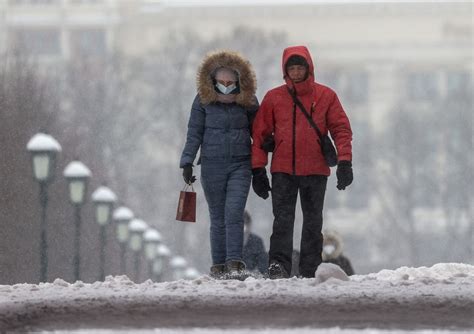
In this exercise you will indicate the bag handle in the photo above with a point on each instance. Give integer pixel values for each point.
(308, 117)
(187, 186)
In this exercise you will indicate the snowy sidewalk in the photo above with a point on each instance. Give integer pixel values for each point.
(440, 297)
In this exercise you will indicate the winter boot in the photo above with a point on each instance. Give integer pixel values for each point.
(277, 271)
(217, 271)
(235, 269)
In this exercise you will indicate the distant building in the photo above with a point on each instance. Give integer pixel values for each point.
(55, 30)
(373, 54)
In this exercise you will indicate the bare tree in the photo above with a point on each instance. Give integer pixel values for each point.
(456, 172)
(405, 154)
(27, 106)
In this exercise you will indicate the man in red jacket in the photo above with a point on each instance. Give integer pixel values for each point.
(297, 160)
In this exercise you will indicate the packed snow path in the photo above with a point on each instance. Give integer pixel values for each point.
(440, 297)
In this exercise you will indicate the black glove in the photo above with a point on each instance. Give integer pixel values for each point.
(344, 174)
(260, 183)
(188, 174)
(268, 144)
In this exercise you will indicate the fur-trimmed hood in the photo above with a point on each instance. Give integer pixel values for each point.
(333, 238)
(234, 61)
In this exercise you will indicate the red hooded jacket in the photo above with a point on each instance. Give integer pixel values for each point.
(297, 149)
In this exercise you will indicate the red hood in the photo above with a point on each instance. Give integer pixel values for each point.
(297, 51)
(306, 86)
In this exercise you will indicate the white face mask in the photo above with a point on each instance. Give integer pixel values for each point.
(329, 249)
(225, 90)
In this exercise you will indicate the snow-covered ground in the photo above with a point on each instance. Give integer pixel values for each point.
(422, 300)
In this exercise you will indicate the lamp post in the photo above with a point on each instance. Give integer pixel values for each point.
(162, 252)
(104, 200)
(151, 238)
(122, 217)
(191, 273)
(77, 175)
(178, 264)
(136, 228)
(44, 149)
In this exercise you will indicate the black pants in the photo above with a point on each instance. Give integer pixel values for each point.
(284, 195)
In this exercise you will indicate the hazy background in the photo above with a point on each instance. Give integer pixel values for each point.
(113, 82)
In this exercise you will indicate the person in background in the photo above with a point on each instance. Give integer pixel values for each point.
(254, 254)
(332, 252)
(220, 125)
(298, 164)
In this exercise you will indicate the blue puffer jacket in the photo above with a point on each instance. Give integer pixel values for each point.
(222, 130)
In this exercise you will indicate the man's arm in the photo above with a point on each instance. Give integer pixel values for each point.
(262, 127)
(340, 129)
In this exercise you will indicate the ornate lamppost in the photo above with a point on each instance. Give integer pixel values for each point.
(178, 264)
(77, 175)
(152, 239)
(136, 229)
(43, 149)
(104, 200)
(162, 254)
(122, 217)
(191, 273)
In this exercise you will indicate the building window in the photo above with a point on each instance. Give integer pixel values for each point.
(330, 78)
(356, 87)
(38, 41)
(88, 42)
(422, 86)
(458, 83)
(351, 86)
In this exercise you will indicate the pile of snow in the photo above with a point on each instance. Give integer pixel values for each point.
(441, 296)
(334, 330)
(438, 272)
(328, 271)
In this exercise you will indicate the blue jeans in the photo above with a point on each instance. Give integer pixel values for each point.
(226, 187)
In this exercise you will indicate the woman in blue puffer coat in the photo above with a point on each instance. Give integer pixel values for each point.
(220, 124)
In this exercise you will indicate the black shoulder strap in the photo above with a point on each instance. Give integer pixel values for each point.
(308, 117)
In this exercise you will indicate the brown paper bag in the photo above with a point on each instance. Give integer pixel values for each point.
(186, 211)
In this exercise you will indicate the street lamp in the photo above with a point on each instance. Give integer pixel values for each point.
(122, 217)
(136, 228)
(77, 174)
(178, 264)
(162, 252)
(191, 273)
(104, 200)
(151, 239)
(43, 149)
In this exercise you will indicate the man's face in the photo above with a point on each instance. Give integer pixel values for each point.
(297, 73)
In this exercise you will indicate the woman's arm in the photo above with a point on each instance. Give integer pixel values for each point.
(251, 113)
(195, 133)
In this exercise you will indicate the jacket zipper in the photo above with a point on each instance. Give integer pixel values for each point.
(294, 139)
(227, 130)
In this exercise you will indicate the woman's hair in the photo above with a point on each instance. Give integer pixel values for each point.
(225, 69)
